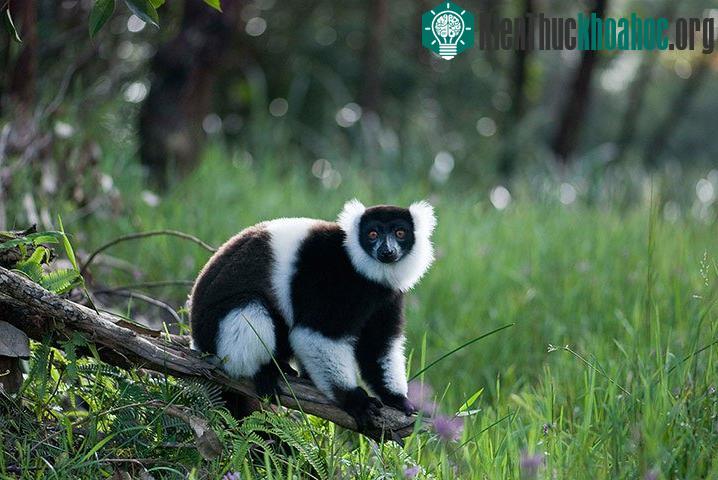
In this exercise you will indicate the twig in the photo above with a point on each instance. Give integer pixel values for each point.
(151, 233)
(155, 284)
(145, 298)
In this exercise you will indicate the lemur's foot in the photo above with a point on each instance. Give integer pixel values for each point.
(361, 406)
(401, 403)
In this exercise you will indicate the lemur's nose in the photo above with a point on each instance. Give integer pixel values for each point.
(387, 254)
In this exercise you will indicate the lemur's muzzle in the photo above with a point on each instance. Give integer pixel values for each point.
(388, 251)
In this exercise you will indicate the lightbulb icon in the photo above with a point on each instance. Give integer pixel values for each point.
(447, 24)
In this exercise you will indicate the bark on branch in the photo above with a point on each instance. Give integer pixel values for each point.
(38, 312)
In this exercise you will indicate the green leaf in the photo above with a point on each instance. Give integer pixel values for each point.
(467, 404)
(33, 271)
(44, 239)
(214, 4)
(32, 239)
(144, 10)
(101, 12)
(60, 281)
(32, 267)
(104, 442)
(68, 247)
(157, 3)
(38, 256)
(10, 25)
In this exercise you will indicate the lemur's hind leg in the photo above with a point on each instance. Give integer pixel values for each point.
(267, 379)
(246, 345)
(331, 365)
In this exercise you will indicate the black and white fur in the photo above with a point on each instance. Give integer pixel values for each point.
(328, 294)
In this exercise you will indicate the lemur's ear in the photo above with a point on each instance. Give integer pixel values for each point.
(351, 214)
(422, 213)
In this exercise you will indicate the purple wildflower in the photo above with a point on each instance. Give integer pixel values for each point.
(652, 474)
(232, 476)
(448, 428)
(530, 464)
(411, 472)
(420, 395)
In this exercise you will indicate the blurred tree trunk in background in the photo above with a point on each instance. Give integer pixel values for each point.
(183, 71)
(18, 89)
(634, 102)
(574, 110)
(680, 105)
(377, 16)
(507, 163)
(20, 74)
(489, 8)
(637, 94)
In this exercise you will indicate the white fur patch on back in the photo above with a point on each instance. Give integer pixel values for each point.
(286, 235)
(405, 273)
(330, 363)
(245, 340)
(393, 364)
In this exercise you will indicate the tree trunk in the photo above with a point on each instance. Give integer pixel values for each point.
(572, 119)
(20, 77)
(183, 72)
(637, 93)
(38, 313)
(634, 103)
(507, 161)
(676, 112)
(377, 16)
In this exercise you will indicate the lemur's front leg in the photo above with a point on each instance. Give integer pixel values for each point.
(331, 365)
(380, 354)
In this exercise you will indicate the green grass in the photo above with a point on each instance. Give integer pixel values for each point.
(600, 372)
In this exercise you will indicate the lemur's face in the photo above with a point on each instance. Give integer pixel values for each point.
(386, 233)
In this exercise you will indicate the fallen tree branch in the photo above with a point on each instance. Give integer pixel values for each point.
(38, 313)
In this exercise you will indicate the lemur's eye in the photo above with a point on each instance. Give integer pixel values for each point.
(400, 233)
(373, 234)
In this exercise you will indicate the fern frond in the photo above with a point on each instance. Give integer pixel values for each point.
(33, 271)
(60, 281)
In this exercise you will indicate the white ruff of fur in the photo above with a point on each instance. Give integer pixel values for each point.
(405, 273)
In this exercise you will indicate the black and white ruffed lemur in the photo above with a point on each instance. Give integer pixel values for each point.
(327, 294)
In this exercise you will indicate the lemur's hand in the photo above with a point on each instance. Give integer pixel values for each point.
(400, 402)
(361, 406)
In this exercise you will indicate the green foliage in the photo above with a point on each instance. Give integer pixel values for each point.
(214, 4)
(101, 11)
(34, 239)
(61, 280)
(58, 281)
